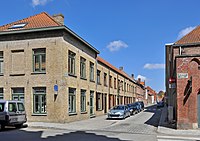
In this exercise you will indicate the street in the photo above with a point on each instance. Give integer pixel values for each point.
(142, 126)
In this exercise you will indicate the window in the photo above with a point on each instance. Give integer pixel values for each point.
(83, 68)
(72, 100)
(98, 77)
(125, 86)
(2, 105)
(110, 81)
(1, 62)
(39, 100)
(39, 60)
(98, 101)
(122, 85)
(19, 25)
(91, 71)
(115, 83)
(105, 79)
(83, 100)
(18, 94)
(71, 63)
(1, 93)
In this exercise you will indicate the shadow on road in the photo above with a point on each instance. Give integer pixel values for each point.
(12, 134)
(154, 120)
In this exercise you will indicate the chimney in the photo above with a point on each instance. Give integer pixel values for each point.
(59, 18)
(132, 76)
(121, 68)
(139, 80)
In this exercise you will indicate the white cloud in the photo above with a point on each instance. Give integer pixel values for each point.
(116, 45)
(154, 66)
(185, 31)
(143, 78)
(39, 2)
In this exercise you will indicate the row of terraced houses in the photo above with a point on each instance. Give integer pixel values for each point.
(57, 74)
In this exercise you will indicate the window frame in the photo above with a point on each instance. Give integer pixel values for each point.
(40, 54)
(40, 94)
(16, 95)
(71, 63)
(82, 68)
(1, 93)
(1, 62)
(83, 101)
(72, 101)
(91, 71)
(98, 77)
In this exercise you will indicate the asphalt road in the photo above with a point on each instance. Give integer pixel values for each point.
(142, 126)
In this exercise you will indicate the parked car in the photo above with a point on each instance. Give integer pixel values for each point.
(12, 113)
(139, 106)
(142, 104)
(119, 111)
(133, 108)
(160, 104)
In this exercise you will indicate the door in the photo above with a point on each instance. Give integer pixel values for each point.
(91, 103)
(12, 112)
(21, 113)
(198, 108)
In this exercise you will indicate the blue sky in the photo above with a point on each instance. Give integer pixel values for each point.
(128, 33)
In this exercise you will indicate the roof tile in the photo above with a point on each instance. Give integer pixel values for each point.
(192, 37)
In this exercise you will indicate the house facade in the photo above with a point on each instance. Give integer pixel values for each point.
(182, 81)
(57, 73)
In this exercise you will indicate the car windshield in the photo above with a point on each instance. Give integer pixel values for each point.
(2, 107)
(118, 108)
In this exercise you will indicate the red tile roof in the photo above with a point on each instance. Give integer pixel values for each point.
(114, 68)
(190, 38)
(37, 21)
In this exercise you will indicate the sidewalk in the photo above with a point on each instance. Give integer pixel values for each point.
(97, 123)
(164, 127)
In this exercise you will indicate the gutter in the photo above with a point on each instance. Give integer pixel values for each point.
(50, 29)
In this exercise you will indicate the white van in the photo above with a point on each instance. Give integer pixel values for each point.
(12, 113)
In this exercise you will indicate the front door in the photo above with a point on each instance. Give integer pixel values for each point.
(105, 103)
(91, 103)
(198, 108)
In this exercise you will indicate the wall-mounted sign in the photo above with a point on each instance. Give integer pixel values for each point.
(182, 75)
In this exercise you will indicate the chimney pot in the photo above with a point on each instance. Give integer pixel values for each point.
(121, 68)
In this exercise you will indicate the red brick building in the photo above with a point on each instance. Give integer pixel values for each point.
(183, 81)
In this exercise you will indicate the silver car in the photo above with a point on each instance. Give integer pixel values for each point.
(119, 111)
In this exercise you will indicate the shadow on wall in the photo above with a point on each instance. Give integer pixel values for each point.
(13, 134)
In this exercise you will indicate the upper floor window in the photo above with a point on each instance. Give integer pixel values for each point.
(71, 62)
(110, 81)
(98, 77)
(1, 62)
(83, 67)
(105, 79)
(115, 83)
(39, 60)
(91, 71)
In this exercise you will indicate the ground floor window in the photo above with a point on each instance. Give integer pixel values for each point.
(72, 100)
(83, 100)
(1, 93)
(18, 94)
(99, 101)
(39, 100)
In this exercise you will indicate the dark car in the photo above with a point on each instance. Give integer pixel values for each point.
(139, 106)
(142, 104)
(160, 104)
(133, 108)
